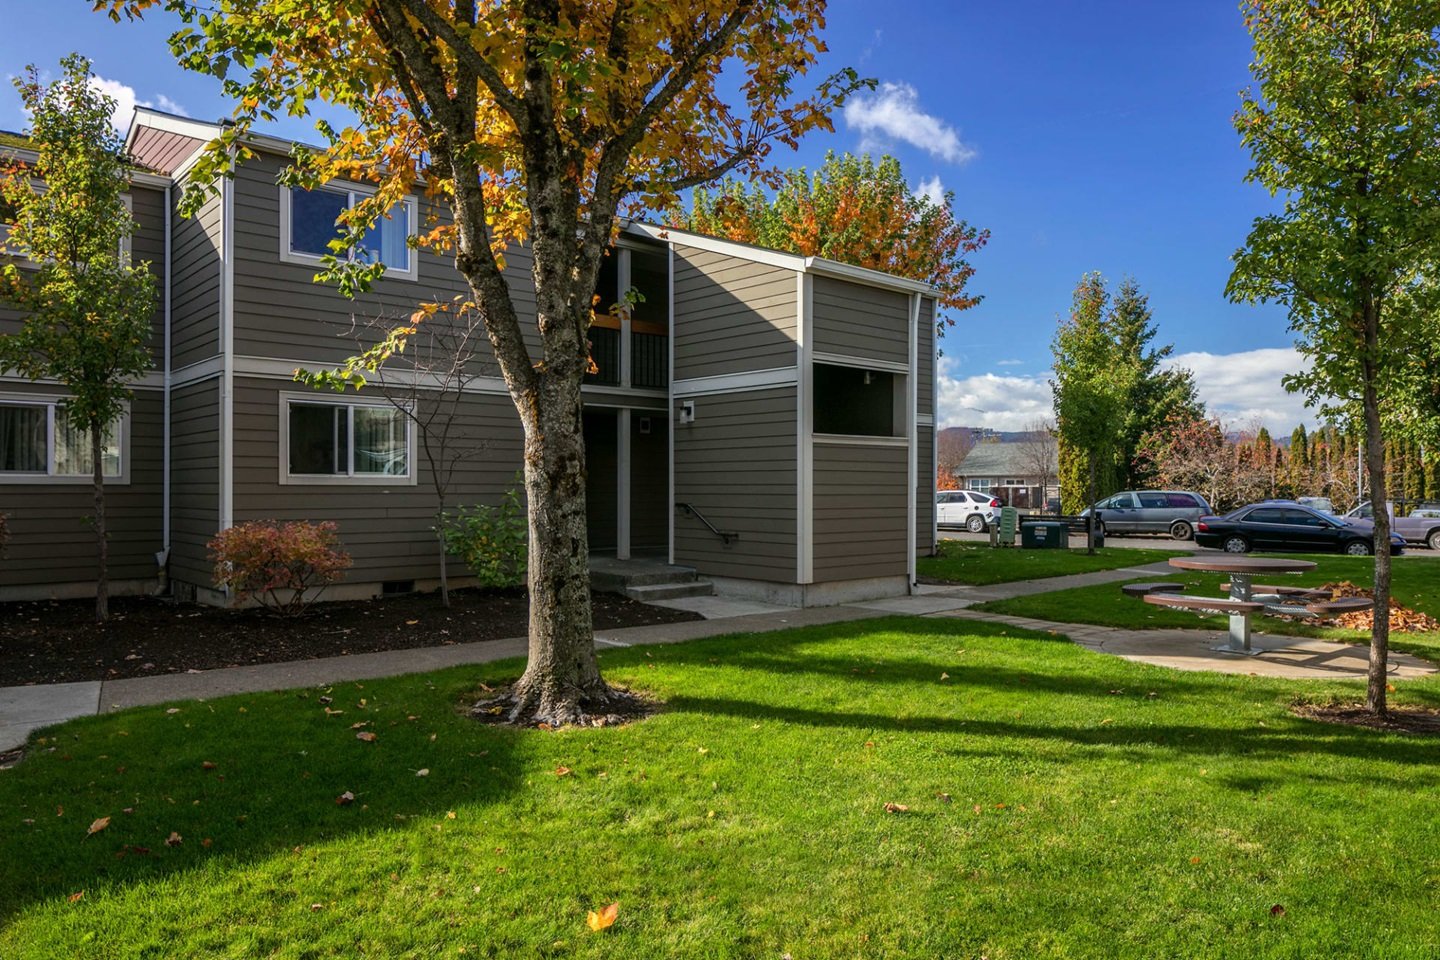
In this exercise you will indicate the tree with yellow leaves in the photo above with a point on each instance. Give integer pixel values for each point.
(540, 122)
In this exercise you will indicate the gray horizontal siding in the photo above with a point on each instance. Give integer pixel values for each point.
(925, 490)
(731, 315)
(51, 539)
(281, 311)
(385, 529)
(194, 479)
(195, 291)
(925, 359)
(861, 321)
(860, 511)
(736, 464)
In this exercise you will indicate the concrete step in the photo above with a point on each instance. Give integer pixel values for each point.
(649, 592)
(616, 576)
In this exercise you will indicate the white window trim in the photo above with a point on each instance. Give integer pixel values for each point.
(311, 260)
(407, 479)
(51, 402)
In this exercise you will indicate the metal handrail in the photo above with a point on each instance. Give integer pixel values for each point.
(690, 509)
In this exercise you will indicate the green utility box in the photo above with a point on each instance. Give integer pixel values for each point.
(1044, 535)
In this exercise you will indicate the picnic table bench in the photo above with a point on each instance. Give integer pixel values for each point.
(1245, 599)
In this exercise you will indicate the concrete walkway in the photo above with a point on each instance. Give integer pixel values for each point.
(23, 709)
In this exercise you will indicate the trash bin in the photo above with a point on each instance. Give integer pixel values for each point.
(1044, 535)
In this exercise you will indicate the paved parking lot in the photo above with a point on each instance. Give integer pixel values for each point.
(1151, 542)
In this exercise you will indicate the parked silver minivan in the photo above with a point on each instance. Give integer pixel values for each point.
(1152, 511)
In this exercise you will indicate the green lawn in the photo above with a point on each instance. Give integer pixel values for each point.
(978, 564)
(1062, 803)
(1416, 585)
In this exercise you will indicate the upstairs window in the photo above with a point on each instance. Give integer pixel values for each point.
(328, 442)
(38, 442)
(310, 220)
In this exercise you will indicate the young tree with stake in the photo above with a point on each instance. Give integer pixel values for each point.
(1344, 123)
(87, 310)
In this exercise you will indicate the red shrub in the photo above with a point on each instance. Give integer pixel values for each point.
(4, 532)
(278, 564)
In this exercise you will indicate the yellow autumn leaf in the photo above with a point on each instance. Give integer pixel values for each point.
(605, 917)
(97, 826)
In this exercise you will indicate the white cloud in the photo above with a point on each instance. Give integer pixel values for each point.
(1240, 388)
(893, 113)
(932, 190)
(1244, 387)
(126, 101)
(1009, 363)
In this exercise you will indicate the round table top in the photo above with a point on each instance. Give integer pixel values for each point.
(1239, 563)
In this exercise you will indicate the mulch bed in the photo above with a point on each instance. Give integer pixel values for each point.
(1401, 720)
(58, 641)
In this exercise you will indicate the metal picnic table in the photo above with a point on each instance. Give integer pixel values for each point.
(1242, 600)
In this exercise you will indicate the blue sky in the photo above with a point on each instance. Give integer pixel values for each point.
(1084, 134)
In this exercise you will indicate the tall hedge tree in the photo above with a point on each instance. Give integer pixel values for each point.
(1090, 392)
(87, 310)
(535, 121)
(1344, 124)
(855, 210)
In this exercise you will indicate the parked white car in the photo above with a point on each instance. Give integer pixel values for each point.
(966, 508)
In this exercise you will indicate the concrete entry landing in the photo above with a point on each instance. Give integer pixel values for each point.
(647, 580)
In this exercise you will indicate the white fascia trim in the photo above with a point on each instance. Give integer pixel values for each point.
(805, 430)
(152, 380)
(912, 431)
(741, 251)
(735, 382)
(227, 353)
(856, 440)
(169, 123)
(197, 371)
(871, 278)
(287, 479)
(865, 363)
(670, 402)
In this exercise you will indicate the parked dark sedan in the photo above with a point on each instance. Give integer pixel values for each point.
(1273, 526)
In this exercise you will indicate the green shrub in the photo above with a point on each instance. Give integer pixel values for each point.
(494, 541)
(278, 564)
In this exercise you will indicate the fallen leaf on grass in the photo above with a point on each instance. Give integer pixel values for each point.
(332, 713)
(345, 799)
(97, 826)
(327, 699)
(205, 843)
(362, 723)
(411, 623)
(944, 676)
(896, 808)
(316, 906)
(173, 710)
(1277, 911)
(208, 765)
(174, 840)
(562, 771)
(423, 772)
(367, 736)
(603, 918)
(943, 797)
(75, 897)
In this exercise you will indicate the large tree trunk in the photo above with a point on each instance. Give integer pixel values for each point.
(102, 545)
(1378, 674)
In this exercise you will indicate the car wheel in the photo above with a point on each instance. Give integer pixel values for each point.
(1236, 545)
(1434, 540)
(1180, 530)
(976, 523)
(1357, 548)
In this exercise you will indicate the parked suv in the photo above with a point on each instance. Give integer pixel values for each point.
(1152, 511)
(966, 508)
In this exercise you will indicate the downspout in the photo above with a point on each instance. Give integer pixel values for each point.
(672, 417)
(163, 560)
(227, 347)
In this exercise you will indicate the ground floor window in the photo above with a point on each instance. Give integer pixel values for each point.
(982, 485)
(350, 440)
(850, 401)
(38, 440)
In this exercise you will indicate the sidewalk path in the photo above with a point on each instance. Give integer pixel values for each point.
(23, 709)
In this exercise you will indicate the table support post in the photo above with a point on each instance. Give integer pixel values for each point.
(1240, 622)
